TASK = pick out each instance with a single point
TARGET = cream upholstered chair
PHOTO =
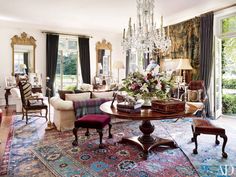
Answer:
(196, 97)
(15, 92)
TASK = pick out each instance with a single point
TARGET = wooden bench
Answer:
(203, 126)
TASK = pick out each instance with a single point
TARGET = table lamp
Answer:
(184, 64)
(118, 65)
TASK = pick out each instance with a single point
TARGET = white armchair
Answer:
(15, 92)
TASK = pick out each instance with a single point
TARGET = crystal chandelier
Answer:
(145, 36)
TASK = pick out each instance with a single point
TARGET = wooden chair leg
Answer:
(192, 139)
(100, 137)
(26, 113)
(195, 140)
(224, 154)
(46, 114)
(217, 141)
(110, 126)
(23, 113)
(87, 132)
(75, 142)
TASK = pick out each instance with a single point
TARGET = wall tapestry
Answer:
(185, 38)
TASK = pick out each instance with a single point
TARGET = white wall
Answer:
(6, 33)
(8, 30)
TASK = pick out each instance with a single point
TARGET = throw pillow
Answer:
(63, 92)
(194, 95)
(77, 96)
(190, 108)
(102, 94)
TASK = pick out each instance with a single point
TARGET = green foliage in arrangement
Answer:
(229, 104)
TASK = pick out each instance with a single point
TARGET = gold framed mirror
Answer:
(23, 54)
(103, 55)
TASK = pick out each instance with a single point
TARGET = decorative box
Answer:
(168, 106)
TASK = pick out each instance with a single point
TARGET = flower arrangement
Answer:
(147, 86)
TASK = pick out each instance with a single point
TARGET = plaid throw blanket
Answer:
(90, 106)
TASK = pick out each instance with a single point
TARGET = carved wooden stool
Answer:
(206, 127)
(97, 121)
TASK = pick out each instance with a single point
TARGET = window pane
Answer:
(67, 63)
(72, 45)
(229, 25)
(70, 70)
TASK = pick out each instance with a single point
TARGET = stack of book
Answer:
(129, 108)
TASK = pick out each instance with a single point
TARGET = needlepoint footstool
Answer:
(95, 121)
(204, 126)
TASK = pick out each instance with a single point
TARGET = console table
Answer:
(8, 92)
(146, 141)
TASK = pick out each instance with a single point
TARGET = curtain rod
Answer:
(68, 34)
(223, 8)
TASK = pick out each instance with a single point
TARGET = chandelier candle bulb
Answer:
(152, 20)
(124, 34)
(139, 20)
(168, 32)
(161, 21)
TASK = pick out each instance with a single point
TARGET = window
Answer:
(68, 66)
(228, 25)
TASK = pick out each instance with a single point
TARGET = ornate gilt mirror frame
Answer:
(23, 40)
(104, 45)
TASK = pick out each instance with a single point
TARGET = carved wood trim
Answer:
(104, 45)
(23, 40)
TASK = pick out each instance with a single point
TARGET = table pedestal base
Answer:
(147, 141)
(146, 147)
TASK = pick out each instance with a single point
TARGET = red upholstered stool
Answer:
(97, 121)
(206, 127)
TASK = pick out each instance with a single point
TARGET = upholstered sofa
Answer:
(64, 115)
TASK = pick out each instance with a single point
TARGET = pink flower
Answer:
(135, 86)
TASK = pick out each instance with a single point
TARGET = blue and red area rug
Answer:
(35, 152)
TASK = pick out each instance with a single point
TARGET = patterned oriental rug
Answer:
(35, 152)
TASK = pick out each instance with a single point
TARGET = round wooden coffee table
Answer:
(146, 141)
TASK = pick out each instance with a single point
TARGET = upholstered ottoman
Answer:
(96, 121)
(206, 127)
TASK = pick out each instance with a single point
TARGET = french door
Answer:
(218, 79)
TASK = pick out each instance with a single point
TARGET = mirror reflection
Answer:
(103, 51)
(23, 59)
(23, 54)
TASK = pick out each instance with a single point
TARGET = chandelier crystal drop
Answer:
(145, 36)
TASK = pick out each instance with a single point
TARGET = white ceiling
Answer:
(101, 15)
